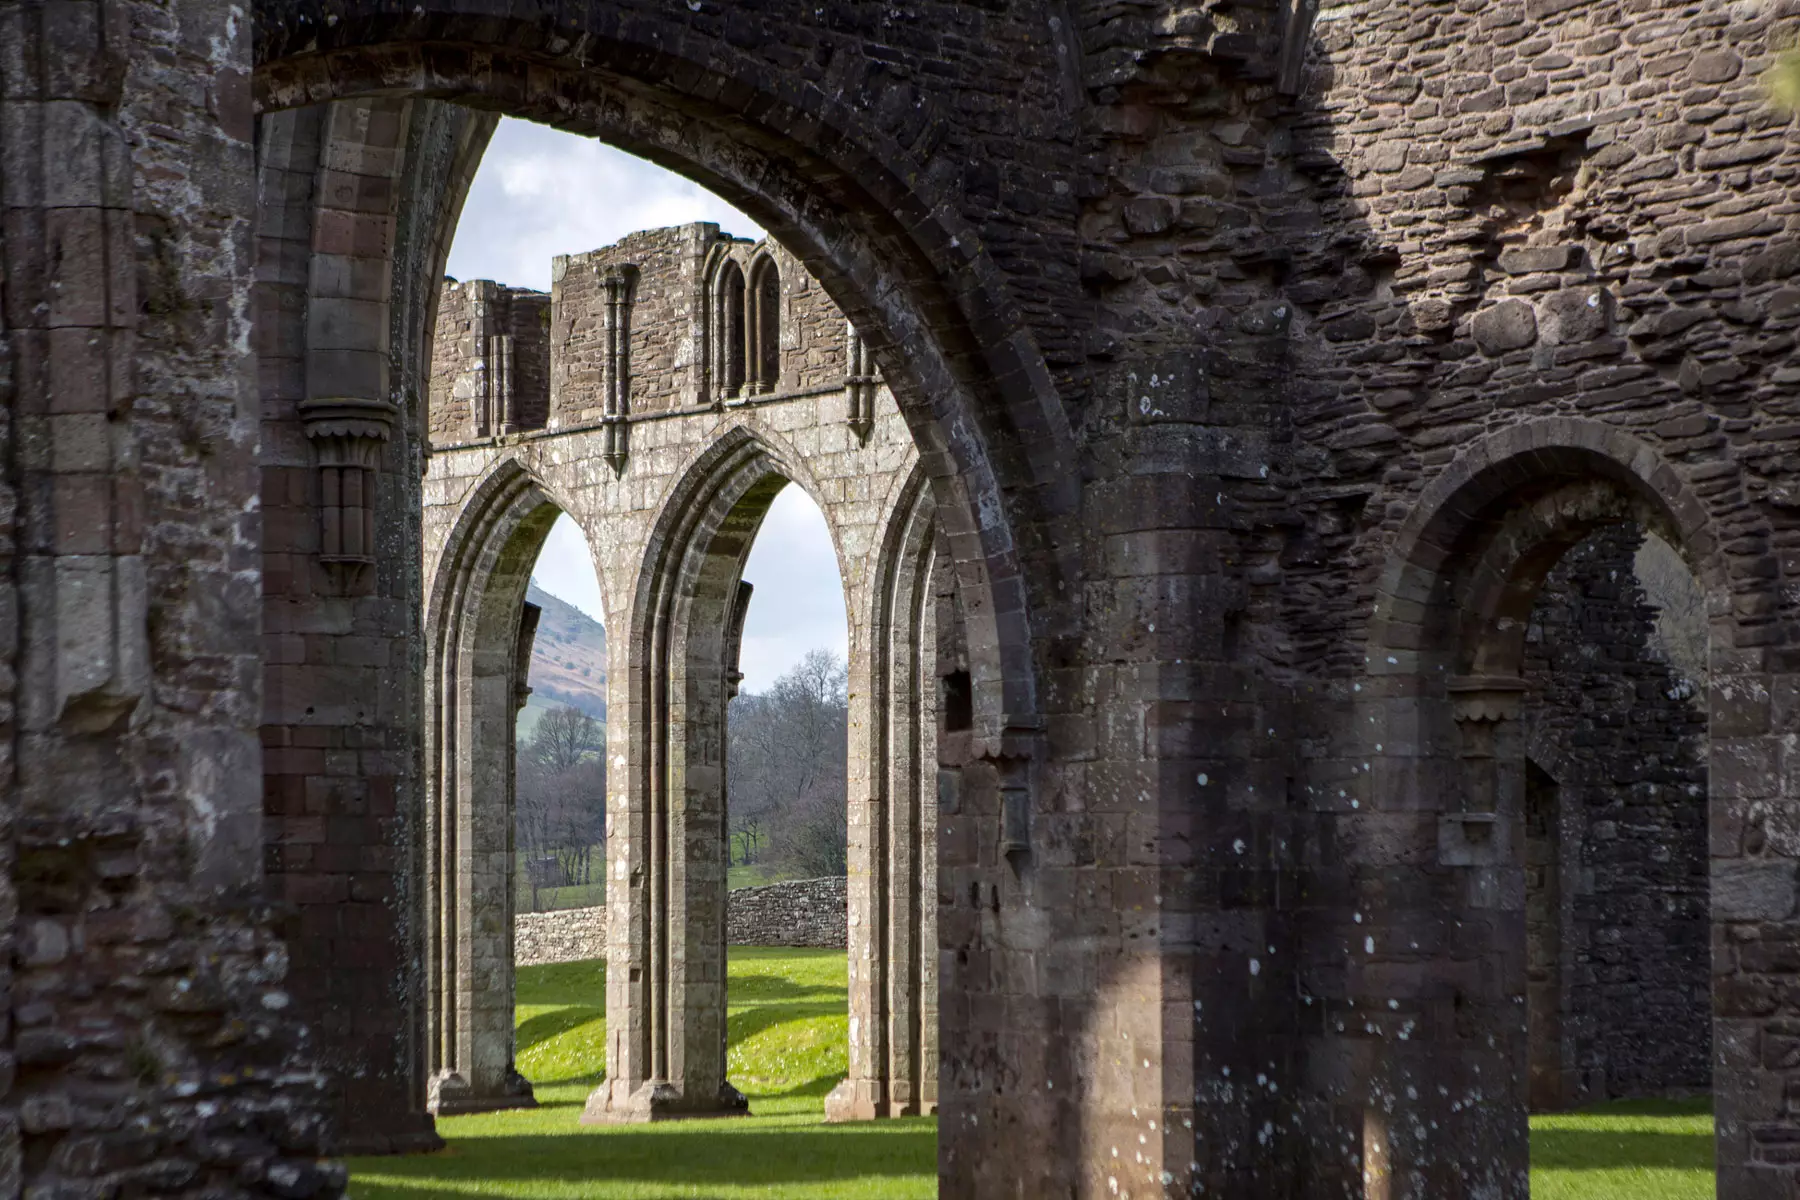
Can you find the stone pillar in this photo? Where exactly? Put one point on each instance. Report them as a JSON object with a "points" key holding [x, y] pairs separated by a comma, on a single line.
{"points": [[477, 1013], [892, 892], [666, 853]]}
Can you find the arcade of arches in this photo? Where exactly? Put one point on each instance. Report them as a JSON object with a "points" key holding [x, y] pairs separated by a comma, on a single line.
{"points": [[1254, 419]]}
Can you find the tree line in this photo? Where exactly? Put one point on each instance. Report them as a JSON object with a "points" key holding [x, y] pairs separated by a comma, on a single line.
{"points": [[786, 770], [786, 773], [560, 822]]}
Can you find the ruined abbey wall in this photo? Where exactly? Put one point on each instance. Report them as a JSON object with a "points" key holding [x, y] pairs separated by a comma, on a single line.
{"points": [[491, 371], [1260, 359], [672, 321], [1621, 862]]}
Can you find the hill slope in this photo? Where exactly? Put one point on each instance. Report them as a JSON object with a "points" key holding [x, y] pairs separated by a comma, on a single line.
{"points": [[568, 661]]}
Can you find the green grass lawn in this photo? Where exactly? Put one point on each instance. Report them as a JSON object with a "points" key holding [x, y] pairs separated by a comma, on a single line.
{"points": [[1630, 1150], [789, 1038], [788, 1047]]}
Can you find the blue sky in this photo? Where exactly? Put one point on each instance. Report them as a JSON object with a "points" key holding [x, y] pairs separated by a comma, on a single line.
{"points": [[540, 193]]}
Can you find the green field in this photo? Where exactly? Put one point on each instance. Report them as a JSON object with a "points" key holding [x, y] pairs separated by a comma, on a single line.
{"points": [[789, 1035], [1632, 1150], [788, 1047]]}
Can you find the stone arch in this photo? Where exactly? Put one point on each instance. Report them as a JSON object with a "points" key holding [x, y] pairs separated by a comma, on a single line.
{"points": [[479, 632], [840, 176], [893, 822], [1431, 810], [886, 245], [666, 1026]]}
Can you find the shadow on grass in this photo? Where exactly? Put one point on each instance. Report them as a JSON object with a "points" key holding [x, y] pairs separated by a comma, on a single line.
{"points": [[545, 1026], [813, 1088], [746, 1023], [1600, 1150], [696, 1156], [761, 989]]}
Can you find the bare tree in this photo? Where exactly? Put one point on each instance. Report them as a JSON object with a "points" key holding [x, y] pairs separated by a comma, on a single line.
{"points": [[564, 737], [787, 769], [560, 818]]}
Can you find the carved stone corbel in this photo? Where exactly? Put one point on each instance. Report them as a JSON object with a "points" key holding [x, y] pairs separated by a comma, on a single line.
{"points": [[348, 433], [1486, 709], [859, 385]]}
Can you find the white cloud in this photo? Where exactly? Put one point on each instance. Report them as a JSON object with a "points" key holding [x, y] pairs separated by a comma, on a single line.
{"points": [[541, 192]]}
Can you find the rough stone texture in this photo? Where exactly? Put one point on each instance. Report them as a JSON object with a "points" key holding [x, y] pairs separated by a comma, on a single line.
{"points": [[804, 912], [497, 381], [1177, 302], [1621, 981], [568, 935]]}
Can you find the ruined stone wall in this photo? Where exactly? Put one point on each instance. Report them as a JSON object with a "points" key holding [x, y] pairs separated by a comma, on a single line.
{"points": [[567, 935], [802, 912], [1200, 337], [672, 317], [463, 400], [1621, 736], [665, 315], [805, 912]]}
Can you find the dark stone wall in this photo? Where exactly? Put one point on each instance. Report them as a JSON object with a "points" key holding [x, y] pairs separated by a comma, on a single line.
{"points": [[1231, 380], [1620, 739]]}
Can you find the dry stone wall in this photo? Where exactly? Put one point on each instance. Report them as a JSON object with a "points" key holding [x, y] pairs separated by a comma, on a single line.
{"points": [[805, 912], [567, 935]]}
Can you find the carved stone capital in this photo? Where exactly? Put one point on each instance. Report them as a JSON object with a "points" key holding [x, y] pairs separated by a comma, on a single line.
{"points": [[335, 420], [348, 433], [1486, 698]]}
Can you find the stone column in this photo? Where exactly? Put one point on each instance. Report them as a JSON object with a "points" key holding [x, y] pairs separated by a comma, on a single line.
{"points": [[892, 896], [479, 1074], [666, 856]]}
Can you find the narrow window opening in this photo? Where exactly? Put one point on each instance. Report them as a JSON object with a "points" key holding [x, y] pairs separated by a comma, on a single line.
{"points": [[959, 702]]}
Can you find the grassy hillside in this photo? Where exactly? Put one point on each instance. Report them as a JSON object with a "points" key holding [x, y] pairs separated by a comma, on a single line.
{"points": [[568, 661]]}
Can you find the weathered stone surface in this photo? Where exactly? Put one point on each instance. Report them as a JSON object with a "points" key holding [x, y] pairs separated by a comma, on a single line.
{"points": [[1508, 325], [1222, 681]]}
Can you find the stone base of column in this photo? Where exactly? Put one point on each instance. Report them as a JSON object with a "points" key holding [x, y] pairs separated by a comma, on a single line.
{"points": [[656, 1100], [855, 1100], [449, 1094], [863, 1100]]}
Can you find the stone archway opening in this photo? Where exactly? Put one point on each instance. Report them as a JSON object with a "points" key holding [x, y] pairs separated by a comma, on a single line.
{"points": [[495, 826], [626, 364], [1532, 701], [1614, 821], [874, 276]]}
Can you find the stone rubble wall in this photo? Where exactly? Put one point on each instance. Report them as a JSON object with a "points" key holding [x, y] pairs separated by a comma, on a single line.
{"points": [[805, 912], [569, 935]]}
